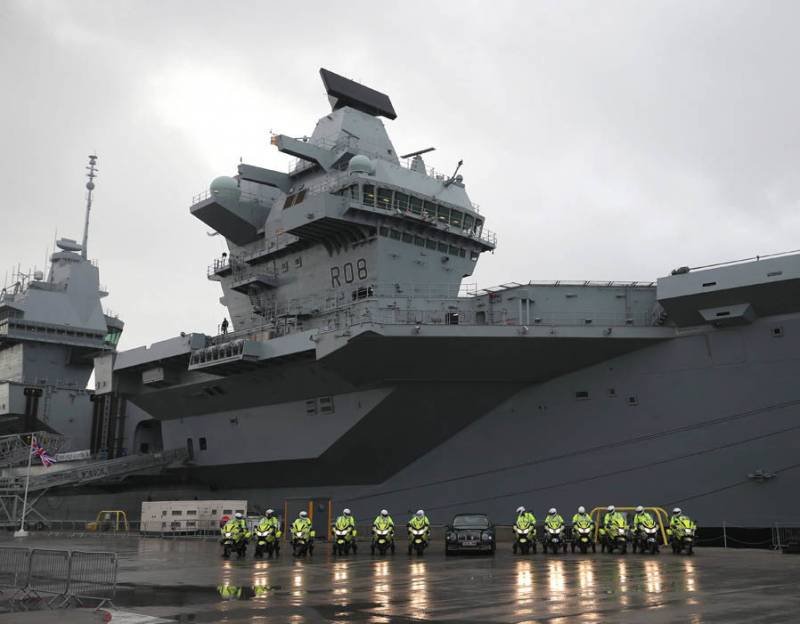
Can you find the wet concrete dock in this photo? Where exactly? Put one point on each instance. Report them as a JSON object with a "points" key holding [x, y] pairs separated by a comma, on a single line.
{"points": [[187, 581]]}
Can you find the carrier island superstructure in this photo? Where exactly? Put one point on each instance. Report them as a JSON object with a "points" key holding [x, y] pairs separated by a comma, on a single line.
{"points": [[359, 368]]}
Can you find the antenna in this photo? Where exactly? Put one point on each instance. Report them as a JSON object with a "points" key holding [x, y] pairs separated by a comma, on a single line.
{"points": [[418, 152], [92, 169], [455, 173]]}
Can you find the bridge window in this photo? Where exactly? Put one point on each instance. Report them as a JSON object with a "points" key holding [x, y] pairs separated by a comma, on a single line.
{"points": [[478, 226], [288, 202], [473, 255], [353, 191], [430, 244], [299, 197], [455, 218], [395, 234], [429, 210], [442, 247], [407, 238], [453, 250], [369, 194], [462, 252], [443, 214], [384, 198], [401, 201], [469, 221], [416, 205], [419, 241], [383, 231]]}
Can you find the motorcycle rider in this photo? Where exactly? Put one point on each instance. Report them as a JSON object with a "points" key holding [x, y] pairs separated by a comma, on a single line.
{"points": [[612, 518], [347, 520], [239, 519], [678, 519], [269, 521], [553, 520], [641, 517], [383, 520], [420, 521], [302, 524], [528, 516], [582, 516]]}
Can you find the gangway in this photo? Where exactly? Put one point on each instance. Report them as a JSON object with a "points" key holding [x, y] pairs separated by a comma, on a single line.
{"points": [[14, 448], [110, 470]]}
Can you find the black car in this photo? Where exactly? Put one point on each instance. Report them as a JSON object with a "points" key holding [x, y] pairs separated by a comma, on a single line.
{"points": [[469, 532]]}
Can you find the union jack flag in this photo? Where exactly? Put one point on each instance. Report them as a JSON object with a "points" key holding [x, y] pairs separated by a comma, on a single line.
{"points": [[39, 451]]}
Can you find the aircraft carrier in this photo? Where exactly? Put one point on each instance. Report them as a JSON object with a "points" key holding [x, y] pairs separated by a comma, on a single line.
{"points": [[361, 367]]}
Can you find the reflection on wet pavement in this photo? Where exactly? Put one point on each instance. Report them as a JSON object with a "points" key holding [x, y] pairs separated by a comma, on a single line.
{"points": [[188, 581]]}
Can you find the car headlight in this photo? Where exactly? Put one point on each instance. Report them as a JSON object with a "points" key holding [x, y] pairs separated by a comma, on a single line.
{"points": [[452, 537], [486, 536]]}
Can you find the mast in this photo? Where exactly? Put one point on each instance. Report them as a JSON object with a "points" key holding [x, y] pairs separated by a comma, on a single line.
{"points": [[92, 169]]}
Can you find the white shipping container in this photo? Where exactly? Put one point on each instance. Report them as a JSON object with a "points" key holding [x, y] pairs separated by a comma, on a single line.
{"points": [[188, 516]]}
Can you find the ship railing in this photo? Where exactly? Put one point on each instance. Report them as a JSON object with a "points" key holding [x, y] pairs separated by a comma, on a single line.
{"points": [[244, 197], [457, 316]]}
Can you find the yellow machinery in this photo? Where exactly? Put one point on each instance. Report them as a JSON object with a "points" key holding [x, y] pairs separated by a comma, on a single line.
{"points": [[661, 515], [115, 521]]}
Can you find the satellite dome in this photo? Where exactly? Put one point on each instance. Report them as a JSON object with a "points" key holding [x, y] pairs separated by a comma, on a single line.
{"points": [[361, 164], [225, 187]]}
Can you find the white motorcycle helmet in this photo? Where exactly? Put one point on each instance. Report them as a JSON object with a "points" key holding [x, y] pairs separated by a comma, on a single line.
{"points": [[384, 512], [239, 515], [677, 511], [346, 512], [270, 512], [581, 509], [304, 514], [420, 513], [520, 510], [639, 509], [552, 511], [611, 508]]}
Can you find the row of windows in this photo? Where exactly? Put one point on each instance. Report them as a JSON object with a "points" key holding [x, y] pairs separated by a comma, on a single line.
{"points": [[321, 405], [427, 243], [387, 199]]}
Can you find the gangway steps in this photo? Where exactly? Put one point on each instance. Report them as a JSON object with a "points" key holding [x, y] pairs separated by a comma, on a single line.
{"points": [[94, 471]]}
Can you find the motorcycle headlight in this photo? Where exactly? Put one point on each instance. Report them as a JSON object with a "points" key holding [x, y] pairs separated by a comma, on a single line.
{"points": [[650, 529], [227, 534], [620, 531]]}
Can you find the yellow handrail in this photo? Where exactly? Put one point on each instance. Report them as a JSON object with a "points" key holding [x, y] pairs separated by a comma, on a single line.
{"points": [[661, 516]]}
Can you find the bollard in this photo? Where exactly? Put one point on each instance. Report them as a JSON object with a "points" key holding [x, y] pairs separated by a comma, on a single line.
{"points": [[724, 536]]}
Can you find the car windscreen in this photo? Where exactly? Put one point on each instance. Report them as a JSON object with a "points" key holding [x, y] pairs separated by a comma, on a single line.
{"points": [[472, 522]]}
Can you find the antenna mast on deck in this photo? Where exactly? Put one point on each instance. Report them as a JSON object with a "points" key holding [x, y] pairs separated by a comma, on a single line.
{"points": [[92, 169]]}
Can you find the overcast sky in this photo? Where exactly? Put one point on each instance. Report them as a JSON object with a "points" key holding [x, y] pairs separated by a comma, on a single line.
{"points": [[603, 140]]}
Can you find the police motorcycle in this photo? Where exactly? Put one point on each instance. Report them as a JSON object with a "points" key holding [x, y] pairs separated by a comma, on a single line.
{"points": [[382, 536], [615, 536], [524, 536], [682, 535], [302, 539], [553, 536], [645, 538], [582, 537], [266, 541], [344, 538], [234, 540]]}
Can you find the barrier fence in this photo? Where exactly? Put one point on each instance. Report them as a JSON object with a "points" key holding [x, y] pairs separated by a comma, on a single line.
{"points": [[56, 578]]}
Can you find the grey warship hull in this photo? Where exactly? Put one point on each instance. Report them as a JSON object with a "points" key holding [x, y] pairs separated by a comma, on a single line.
{"points": [[364, 370]]}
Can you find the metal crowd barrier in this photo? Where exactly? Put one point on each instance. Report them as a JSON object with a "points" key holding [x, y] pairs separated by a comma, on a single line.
{"points": [[48, 573], [14, 567], [56, 578]]}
